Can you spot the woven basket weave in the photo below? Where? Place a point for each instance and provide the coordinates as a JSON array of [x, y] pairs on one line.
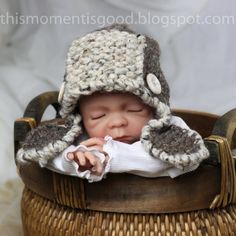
[[198, 203], [44, 217]]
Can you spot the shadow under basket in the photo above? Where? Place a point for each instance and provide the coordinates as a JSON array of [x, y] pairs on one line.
[[201, 202]]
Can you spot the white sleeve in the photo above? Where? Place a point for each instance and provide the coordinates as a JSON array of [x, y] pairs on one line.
[[134, 159], [63, 165], [130, 158]]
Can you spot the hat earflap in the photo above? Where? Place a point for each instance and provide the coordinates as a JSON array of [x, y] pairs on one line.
[[56, 137], [178, 146]]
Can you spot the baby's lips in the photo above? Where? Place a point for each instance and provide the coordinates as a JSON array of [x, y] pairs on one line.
[[123, 139]]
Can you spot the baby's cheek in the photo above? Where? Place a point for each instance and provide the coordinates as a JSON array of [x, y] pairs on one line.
[[139, 124], [89, 127], [96, 130], [136, 128]]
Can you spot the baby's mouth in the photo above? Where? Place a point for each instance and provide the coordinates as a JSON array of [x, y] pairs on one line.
[[124, 139]]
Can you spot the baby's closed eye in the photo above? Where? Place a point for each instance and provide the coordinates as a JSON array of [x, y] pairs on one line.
[[135, 108], [97, 115]]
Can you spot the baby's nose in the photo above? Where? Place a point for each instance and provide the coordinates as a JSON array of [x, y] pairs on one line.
[[118, 121]]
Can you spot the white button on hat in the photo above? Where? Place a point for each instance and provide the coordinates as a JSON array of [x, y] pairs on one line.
[[153, 83]]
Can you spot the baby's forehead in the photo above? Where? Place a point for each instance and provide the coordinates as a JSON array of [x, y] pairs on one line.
[[108, 98]]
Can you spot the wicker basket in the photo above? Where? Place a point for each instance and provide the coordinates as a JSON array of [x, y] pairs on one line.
[[197, 203]]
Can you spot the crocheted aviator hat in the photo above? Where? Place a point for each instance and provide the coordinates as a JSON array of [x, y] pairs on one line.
[[116, 59]]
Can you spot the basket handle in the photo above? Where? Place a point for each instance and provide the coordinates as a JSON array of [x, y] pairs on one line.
[[224, 139], [225, 127], [33, 115]]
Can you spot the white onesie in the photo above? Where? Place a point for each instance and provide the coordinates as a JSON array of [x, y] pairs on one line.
[[123, 157]]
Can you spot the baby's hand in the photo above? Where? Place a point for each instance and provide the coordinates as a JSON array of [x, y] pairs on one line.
[[86, 161], [96, 143]]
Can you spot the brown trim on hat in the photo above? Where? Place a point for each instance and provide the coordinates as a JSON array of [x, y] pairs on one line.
[[151, 64]]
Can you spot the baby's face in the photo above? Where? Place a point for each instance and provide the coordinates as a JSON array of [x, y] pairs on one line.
[[119, 115]]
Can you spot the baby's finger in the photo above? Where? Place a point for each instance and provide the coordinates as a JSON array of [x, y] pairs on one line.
[[70, 156], [93, 142], [80, 158], [96, 163], [98, 148], [90, 158]]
